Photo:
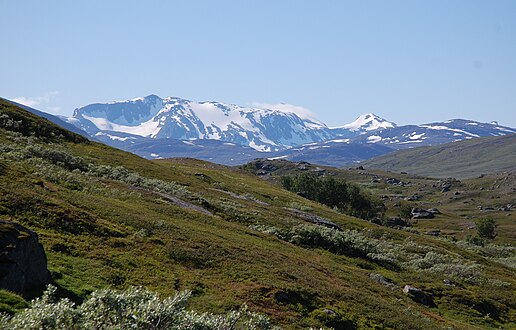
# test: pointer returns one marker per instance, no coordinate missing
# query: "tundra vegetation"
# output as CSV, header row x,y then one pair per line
x,y
125,233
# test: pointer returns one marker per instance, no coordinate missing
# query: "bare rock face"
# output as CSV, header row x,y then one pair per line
x,y
23,263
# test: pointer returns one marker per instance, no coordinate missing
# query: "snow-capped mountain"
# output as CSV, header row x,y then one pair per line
x,y
365,123
153,117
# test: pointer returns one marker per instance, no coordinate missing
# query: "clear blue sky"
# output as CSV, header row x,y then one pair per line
x,y
407,61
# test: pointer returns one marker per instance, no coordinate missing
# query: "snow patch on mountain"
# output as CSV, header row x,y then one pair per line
x,y
374,139
450,129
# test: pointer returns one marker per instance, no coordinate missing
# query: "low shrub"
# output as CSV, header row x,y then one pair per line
x,y
351,243
335,193
134,308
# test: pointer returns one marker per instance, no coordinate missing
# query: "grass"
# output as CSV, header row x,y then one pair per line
x,y
102,232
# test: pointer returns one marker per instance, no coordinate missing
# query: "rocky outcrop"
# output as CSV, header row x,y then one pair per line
x,y
23,263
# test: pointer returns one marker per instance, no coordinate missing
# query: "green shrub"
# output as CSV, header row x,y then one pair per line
x,y
453,268
120,173
351,243
335,193
486,228
405,211
135,308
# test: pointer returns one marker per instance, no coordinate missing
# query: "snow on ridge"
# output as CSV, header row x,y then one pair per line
x,y
374,139
147,129
299,111
503,129
114,137
415,136
439,127
339,141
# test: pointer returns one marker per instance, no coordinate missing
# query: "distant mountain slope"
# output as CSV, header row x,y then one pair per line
x,y
338,152
462,159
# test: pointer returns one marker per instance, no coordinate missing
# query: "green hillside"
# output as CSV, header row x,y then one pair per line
x,y
462,159
107,218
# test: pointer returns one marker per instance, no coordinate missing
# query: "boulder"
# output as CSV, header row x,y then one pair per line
x,y
23,262
383,280
435,232
418,295
434,211
328,311
392,181
396,222
418,213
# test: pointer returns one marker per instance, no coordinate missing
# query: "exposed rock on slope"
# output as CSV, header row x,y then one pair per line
x,y
23,263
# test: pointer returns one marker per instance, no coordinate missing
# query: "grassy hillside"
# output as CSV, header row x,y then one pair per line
x,y
467,201
462,159
107,218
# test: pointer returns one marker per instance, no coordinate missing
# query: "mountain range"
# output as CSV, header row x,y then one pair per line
x,y
155,127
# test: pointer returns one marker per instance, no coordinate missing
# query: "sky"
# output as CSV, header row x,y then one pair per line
x,y
410,62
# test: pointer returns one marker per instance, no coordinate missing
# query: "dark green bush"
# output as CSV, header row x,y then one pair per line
x,y
335,193
486,228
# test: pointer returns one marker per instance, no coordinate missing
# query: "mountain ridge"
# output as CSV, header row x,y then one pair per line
x,y
153,127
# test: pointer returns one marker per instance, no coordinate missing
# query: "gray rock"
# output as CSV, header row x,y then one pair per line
x,y
417,295
315,219
418,213
23,263
396,222
392,181
383,280
328,311
435,232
